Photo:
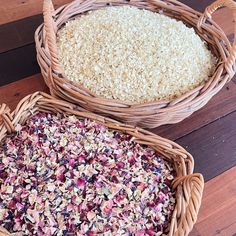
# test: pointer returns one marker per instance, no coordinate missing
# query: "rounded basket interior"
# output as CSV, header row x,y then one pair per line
x,y
188,186
150,114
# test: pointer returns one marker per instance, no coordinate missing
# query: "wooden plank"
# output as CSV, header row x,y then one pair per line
x,y
213,146
19,33
213,207
224,18
197,5
217,214
17,64
220,105
13,10
225,99
12,93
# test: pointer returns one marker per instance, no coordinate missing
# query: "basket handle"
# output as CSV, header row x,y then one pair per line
x,y
6,118
230,62
51,39
191,189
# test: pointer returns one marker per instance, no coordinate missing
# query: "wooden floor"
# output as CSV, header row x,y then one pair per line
x,y
209,134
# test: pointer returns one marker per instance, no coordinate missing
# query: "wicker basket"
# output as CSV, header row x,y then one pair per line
x,y
148,115
189,186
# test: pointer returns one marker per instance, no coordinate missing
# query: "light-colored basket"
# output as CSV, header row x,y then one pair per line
x,y
188,186
148,115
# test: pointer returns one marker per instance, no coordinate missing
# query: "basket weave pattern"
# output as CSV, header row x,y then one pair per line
x,y
188,186
147,115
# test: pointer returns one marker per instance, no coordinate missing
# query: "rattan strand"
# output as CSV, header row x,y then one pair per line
x,y
188,186
148,115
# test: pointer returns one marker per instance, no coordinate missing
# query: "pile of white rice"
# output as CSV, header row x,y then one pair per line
x,y
133,55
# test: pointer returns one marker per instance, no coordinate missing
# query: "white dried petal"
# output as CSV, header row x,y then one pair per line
x,y
133,55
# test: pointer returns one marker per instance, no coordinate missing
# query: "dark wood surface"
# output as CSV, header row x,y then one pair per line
x,y
209,134
217,213
19,33
17,48
13,10
213,146
220,105
17,64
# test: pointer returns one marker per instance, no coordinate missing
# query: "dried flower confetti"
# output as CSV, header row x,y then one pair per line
x,y
62,175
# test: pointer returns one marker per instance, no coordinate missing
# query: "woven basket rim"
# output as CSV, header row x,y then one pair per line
x,y
189,186
207,29
130,104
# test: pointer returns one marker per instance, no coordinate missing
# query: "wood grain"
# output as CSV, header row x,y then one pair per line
x,y
213,146
208,134
198,5
217,214
220,105
12,93
13,10
224,18
20,37
19,33
17,64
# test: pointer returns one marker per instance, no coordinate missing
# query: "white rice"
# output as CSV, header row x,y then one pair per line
x,y
133,55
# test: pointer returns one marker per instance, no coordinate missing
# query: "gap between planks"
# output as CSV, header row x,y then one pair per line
x,y
216,140
220,105
21,32
213,146
17,42
14,10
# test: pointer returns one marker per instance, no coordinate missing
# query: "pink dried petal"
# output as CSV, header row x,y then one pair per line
x,y
70,207
47,151
18,128
41,224
90,233
47,231
91,215
98,184
12,204
84,228
17,226
80,183
19,206
140,232
6,160
79,207
71,162
35,215
107,206
120,164
150,232
61,177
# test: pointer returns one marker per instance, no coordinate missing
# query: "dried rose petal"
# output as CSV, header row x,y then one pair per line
x,y
64,176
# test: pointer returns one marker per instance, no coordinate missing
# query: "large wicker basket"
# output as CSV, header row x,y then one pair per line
x,y
148,115
188,186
